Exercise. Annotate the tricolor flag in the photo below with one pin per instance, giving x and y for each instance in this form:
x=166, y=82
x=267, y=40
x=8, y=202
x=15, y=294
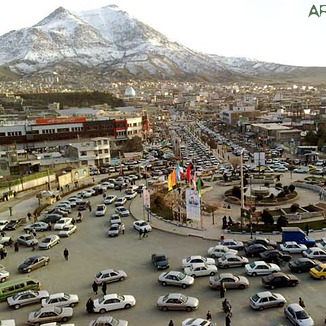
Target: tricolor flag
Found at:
x=188, y=173
x=194, y=181
x=181, y=169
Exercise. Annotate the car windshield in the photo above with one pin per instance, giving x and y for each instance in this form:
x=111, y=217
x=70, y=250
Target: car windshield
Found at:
x=318, y=268
x=98, y=275
x=181, y=276
x=301, y=315
x=183, y=298
x=46, y=240
x=270, y=276
x=29, y=237
x=252, y=265
x=255, y=298
x=66, y=296
x=309, y=251
x=29, y=261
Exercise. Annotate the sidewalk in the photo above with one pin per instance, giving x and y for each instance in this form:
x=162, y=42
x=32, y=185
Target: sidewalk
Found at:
x=209, y=231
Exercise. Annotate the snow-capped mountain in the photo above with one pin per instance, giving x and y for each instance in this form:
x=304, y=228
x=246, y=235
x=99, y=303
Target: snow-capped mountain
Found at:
x=110, y=41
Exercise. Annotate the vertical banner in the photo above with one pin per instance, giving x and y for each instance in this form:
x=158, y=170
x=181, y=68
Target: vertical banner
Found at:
x=193, y=205
x=147, y=198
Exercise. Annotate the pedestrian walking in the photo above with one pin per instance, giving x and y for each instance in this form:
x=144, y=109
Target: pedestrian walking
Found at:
x=123, y=229
x=140, y=232
x=307, y=229
x=90, y=305
x=227, y=320
x=222, y=290
x=145, y=233
x=90, y=207
x=104, y=287
x=301, y=302
x=2, y=254
x=104, y=195
x=16, y=246
x=95, y=287
x=29, y=215
x=33, y=246
x=66, y=254
x=209, y=316
x=49, y=226
x=171, y=323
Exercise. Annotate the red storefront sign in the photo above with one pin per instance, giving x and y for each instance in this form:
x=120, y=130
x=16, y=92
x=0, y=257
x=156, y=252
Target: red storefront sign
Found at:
x=53, y=121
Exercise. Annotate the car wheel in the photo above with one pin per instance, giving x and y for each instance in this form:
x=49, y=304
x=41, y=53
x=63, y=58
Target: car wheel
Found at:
x=299, y=270
x=65, y=319
x=45, y=263
x=127, y=306
x=3, y=280
x=17, y=306
x=254, y=274
x=193, y=275
x=252, y=255
x=294, y=284
x=261, y=308
x=29, y=270
x=226, y=266
x=212, y=274
x=165, y=308
x=272, y=287
x=72, y=305
x=121, y=278
x=184, y=286
x=164, y=283
x=189, y=309
x=213, y=255
x=281, y=304
x=6, y=243
x=102, y=311
x=241, y=286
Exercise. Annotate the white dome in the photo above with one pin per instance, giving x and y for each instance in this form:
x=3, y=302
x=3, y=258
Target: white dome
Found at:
x=130, y=91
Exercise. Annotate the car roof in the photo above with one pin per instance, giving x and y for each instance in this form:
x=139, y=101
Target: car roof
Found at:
x=295, y=307
x=173, y=273
x=56, y=295
x=110, y=296
x=264, y=294
x=195, y=257
x=277, y=274
x=199, y=264
x=225, y=275
x=107, y=270
x=290, y=242
x=175, y=295
x=48, y=309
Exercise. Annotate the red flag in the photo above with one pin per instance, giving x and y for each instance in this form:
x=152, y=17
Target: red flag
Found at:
x=188, y=173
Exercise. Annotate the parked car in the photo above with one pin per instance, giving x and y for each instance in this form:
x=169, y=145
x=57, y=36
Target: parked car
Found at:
x=142, y=225
x=315, y=253
x=108, y=321
x=297, y=315
x=261, y=268
x=264, y=241
x=280, y=279
x=51, y=218
x=114, y=230
x=263, y=300
x=33, y=263
x=186, y=262
x=322, y=244
x=292, y=247
x=231, y=244
x=115, y=219
x=196, y=322
x=3, y=224
x=176, y=278
x=61, y=300
x=25, y=298
x=113, y=302
x=4, y=275
x=318, y=272
x=200, y=269
x=62, y=223
x=49, y=241
x=13, y=224
x=100, y=210
x=67, y=230
x=227, y=261
x=255, y=250
x=302, y=264
x=160, y=261
x=110, y=199
x=120, y=201
x=229, y=280
x=218, y=251
x=50, y=314
x=122, y=211
x=274, y=256
x=37, y=226
x=131, y=195
x=109, y=276
x=177, y=301
x=27, y=240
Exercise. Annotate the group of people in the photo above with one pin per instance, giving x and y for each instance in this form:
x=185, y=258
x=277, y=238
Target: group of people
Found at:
x=95, y=287
x=226, y=221
x=142, y=234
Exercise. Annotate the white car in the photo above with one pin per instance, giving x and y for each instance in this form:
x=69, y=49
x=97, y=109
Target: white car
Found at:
x=131, y=195
x=91, y=192
x=108, y=185
x=27, y=240
x=109, y=276
x=113, y=302
x=322, y=244
x=49, y=241
x=196, y=322
x=64, y=221
x=108, y=321
x=85, y=194
x=176, y=278
x=266, y=299
x=231, y=244
x=26, y=298
x=3, y=224
x=186, y=262
x=281, y=169
x=315, y=253
x=110, y=199
x=297, y=315
x=115, y=219
x=50, y=314
x=65, y=206
x=68, y=230
x=261, y=268
x=4, y=275
x=60, y=300
x=292, y=247
x=75, y=200
x=200, y=269
x=100, y=210
x=122, y=211
x=218, y=251
x=142, y=225
x=115, y=230
x=37, y=226
x=120, y=201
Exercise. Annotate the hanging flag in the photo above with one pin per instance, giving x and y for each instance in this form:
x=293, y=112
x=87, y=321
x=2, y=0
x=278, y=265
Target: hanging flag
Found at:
x=177, y=173
x=199, y=187
x=194, y=181
x=174, y=181
x=181, y=169
x=170, y=186
x=188, y=174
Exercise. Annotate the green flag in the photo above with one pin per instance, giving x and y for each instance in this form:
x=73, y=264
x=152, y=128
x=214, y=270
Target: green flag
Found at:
x=199, y=187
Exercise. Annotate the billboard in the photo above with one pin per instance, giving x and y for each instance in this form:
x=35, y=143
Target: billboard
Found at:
x=53, y=121
x=193, y=205
x=78, y=174
x=259, y=158
x=147, y=198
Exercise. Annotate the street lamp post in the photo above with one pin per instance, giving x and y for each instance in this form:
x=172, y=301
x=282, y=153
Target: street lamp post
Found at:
x=241, y=186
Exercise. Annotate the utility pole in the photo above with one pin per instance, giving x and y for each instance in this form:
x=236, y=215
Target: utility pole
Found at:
x=241, y=186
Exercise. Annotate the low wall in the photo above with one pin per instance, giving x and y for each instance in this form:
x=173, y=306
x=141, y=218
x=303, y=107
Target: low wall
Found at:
x=314, y=188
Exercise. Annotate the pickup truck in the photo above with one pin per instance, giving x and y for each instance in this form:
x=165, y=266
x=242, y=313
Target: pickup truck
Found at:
x=160, y=261
x=297, y=235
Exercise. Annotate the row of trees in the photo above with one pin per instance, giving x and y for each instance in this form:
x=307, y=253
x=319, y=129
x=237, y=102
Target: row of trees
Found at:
x=316, y=138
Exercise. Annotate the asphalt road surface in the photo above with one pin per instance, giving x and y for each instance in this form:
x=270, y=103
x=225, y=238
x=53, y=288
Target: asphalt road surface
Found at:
x=92, y=251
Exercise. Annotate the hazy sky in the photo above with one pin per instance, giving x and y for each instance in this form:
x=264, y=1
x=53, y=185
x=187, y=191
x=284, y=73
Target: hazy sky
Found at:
x=270, y=30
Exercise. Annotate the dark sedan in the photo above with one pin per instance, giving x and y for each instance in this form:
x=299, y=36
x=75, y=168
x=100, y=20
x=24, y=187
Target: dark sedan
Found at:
x=279, y=279
x=303, y=264
x=51, y=218
x=13, y=224
x=263, y=241
x=255, y=250
x=33, y=263
x=274, y=256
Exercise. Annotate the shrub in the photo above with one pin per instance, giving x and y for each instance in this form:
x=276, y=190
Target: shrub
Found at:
x=281, y=194
x=259, y=197
x=278, y=185
x=294, y=208
x=271, y=196
x=282, y=221
x=236, y=192
x=291, y=188
x=267, y=217
x=266, y=184
x=286, y=189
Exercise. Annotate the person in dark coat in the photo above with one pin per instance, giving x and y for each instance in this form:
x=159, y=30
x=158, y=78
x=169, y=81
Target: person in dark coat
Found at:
x=90, y=306
x=104, y=287
x=222, y=290
x=227, y=320
x=145, y=233
x=209, y=316
x=171, y=323
x=95, y=287
x=140, y=232
x=16, y=246
x=66, y=254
